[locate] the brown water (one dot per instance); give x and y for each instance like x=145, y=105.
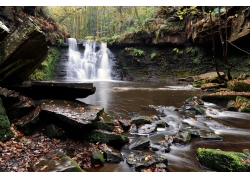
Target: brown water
x=127, y=99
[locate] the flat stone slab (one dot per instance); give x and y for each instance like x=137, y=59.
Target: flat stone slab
x=74, y=113
x=55, y=90
x=56, y=161
x=139, y=160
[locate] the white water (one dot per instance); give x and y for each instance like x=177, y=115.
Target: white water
x=88, y=65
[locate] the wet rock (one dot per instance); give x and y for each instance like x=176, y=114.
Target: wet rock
x=125, y=123
x=147, y=129
x=110, y=138
x=223, y=161
x=69, y=114
x=5, y=131
x=140, y=142
x=21, y=53
x=97, y=158
x=140, y=120
x=16, y=104
x=56, y=161
x=232, y=106
x=105, y=123
x=27, y=124
x=194, y=101
x=55, y=90
x=52, y=131
x=246, y=151
x=155, y=168
x=161, y=142
x=111, y=154
x=133, y=129
x=194, y=109
x=139, y=160
x=182, y=137
x=209, y=135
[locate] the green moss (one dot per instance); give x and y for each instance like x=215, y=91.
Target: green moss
x=5, y=132
x=46, y=70
x=224, y=161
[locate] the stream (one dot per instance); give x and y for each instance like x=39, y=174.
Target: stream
x=124, y=100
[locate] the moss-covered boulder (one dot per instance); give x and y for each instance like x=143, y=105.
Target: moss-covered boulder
x=240, y=104
x=97, y=158
x=110, y=138
x=223, y=161
x=5, y=131
x=56, y=161
x=239, y=85
x=138, y=120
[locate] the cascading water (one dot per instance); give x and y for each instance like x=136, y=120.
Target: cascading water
x=89, y=65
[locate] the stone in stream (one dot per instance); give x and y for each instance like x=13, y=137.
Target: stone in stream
x=194, y=101
x=139, y=160
x=133, y=129
x=140, y=142
x=223, y=161
x=160, y=142
x=56, y=161
x=70, y=114
x=5, y=131
x=194, y=109
x=22, y=51
x=209, y=135
x=138, y=120
x=108, y=123
x=182, y=137
x=147, y=129
x=110, y=154
x=110, y=138
x=97, y=158
x=124, y=123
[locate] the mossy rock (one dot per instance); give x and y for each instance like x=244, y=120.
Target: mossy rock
x=57, y=161
x=223, y=161
x=97, y=158
x=232, y=106
x=107, y=137
x=5, y=131
x=241, y=85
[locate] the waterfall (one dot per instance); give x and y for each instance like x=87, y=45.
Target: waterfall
x=88, y=65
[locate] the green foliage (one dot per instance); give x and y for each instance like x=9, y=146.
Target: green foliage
x=153, y=55
x=176, y=50
x=136, y=52
x=45, y=71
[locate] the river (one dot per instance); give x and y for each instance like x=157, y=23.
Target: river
x=122, y=99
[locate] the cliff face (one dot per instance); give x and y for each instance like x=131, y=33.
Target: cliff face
x=171, y=46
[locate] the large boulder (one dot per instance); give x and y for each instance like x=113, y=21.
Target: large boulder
x=223, y=160
x=21, y=52
x=73, y=115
